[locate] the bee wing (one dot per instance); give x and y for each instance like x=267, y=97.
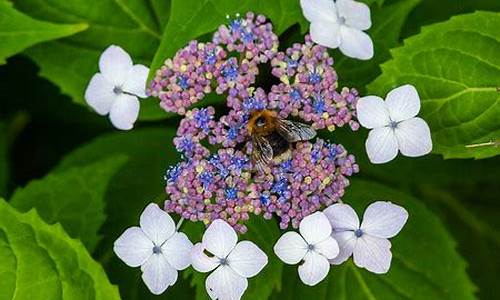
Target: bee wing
x=295, y=131
x=262, y=152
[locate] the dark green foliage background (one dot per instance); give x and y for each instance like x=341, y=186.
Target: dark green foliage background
x=68, y=163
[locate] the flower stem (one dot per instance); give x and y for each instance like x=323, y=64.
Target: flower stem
x=490, y=143
x=179, y=224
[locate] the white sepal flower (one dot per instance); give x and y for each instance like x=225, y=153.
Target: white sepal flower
x=314, y=246
x=156, y=247
x=115, y=89
x=394, y=125
x=232, y=262
x=369, y=242
x=340, y=24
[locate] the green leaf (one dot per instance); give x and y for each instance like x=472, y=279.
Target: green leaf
x=4, y=162
x=75, y=198
x=41, y=261
x=161, y=10
x=10, y=128
x=425, y=263
x=71, y=62
x=264, y=233
x=473, y=220
x=432, y=11
x=137, y=183
x=19, y=31
x=387, y=22
x=188, y=20
x=455, y=66
x=370, y=2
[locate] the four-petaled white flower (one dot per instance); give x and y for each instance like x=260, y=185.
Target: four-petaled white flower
x=115, y=89
x=369, y=242
x=233, y=262
x=157, y=247
x=314, y=246
x=394, y=125
x=340, y=24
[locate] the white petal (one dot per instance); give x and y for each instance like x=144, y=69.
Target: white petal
x=342, y=217
x=99, y=94
x=247, y=259
x=373, y=254
x=115, y=64
x=315, y=228
x=325, y=34
x=133, y=247
x=314, y=269
x=347, y=242
x=372, y=112
x=384, y=219
x=219, y=238
x=177, y=250
x=355, y=43
x=414, y=137
x=202, y=262
x=124, y=112
x=157, y=274
x=356, y=14
x=403, y=103
x=329, y=248
x=291, y=248
x=381, y=145
x=157, y=224
x=225, y=284
x=135, y=82
x=319, y=10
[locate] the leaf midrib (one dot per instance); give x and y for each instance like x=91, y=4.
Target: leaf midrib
x=132, y=16
x=136, y=19
x=363, y=284
x=52, y=32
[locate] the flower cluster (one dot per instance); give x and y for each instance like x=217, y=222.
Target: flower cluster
x=308, y=88
x=190, y=75
x=222, y=186
x=217, y=179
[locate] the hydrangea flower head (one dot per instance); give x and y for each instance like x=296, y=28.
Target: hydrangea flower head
x=217, y=180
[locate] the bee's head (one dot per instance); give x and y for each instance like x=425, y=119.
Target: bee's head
x=261, y=121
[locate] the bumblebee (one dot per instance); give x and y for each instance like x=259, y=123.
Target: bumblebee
x=272, y=137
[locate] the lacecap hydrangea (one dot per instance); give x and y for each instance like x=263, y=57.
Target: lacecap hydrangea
x=217, y=178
